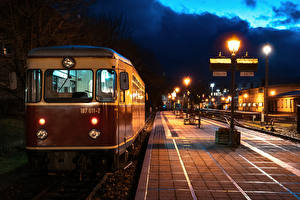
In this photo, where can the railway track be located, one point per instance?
(224, 117)
(68, 187)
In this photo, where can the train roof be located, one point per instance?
(76, 51)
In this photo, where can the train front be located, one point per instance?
(69, 102)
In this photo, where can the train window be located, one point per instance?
(105, 85)
(68, 85)
(33, 89)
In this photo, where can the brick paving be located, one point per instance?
(183, 162)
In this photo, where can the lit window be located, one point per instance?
(105, 86)
(68, 85)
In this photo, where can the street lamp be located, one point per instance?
(273, 92)
(186, 82)
(212, 85)
(267, 50)
(177, 89)
(233, 46)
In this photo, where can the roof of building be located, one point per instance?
(290, 93)
(76, 51)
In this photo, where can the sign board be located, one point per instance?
(219, 73)
(246, 73)
(247, 64)
(220, 64)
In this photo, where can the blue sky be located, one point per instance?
(259, 13)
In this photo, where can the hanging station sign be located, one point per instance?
(219, 73)
(220, 64)
(246, 74)
(247, 64)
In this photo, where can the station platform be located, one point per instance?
(183, 162)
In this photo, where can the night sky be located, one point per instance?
(184, 34)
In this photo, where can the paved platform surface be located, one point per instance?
(183, 162)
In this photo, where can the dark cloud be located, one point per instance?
(184, 42)
(250, 3)
(289, 11)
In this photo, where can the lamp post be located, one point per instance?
(233, 46)
(267, 50)
(173, 94)
(176, 90)
(186, 82)
(212, 85)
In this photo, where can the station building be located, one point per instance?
(282, 98)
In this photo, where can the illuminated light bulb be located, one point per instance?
(94, 121)
(42, 121)
(267, 49)
(233, 45)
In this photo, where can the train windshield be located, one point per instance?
(68, 85)
(105, 85)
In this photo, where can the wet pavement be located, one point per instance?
(183, 162)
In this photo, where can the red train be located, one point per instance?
(85, 105)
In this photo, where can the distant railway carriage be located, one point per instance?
(83, 104)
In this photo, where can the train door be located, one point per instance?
(124, 86)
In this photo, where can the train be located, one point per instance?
(85, 107)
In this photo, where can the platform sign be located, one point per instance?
(219, 73)
(220, 64)
(247, 64)
(246, 73)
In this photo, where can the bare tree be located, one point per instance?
(26, 24)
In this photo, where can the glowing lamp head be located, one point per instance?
(246, 95)
(233, 46)
(173, 95)
(267, 49)
(187, 81)
(272, 93)
(177, 89)
(229, 98)
(42, 121)
(94, 121)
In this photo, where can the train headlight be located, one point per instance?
(68, 62)
(94, 134)
(42, 134)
